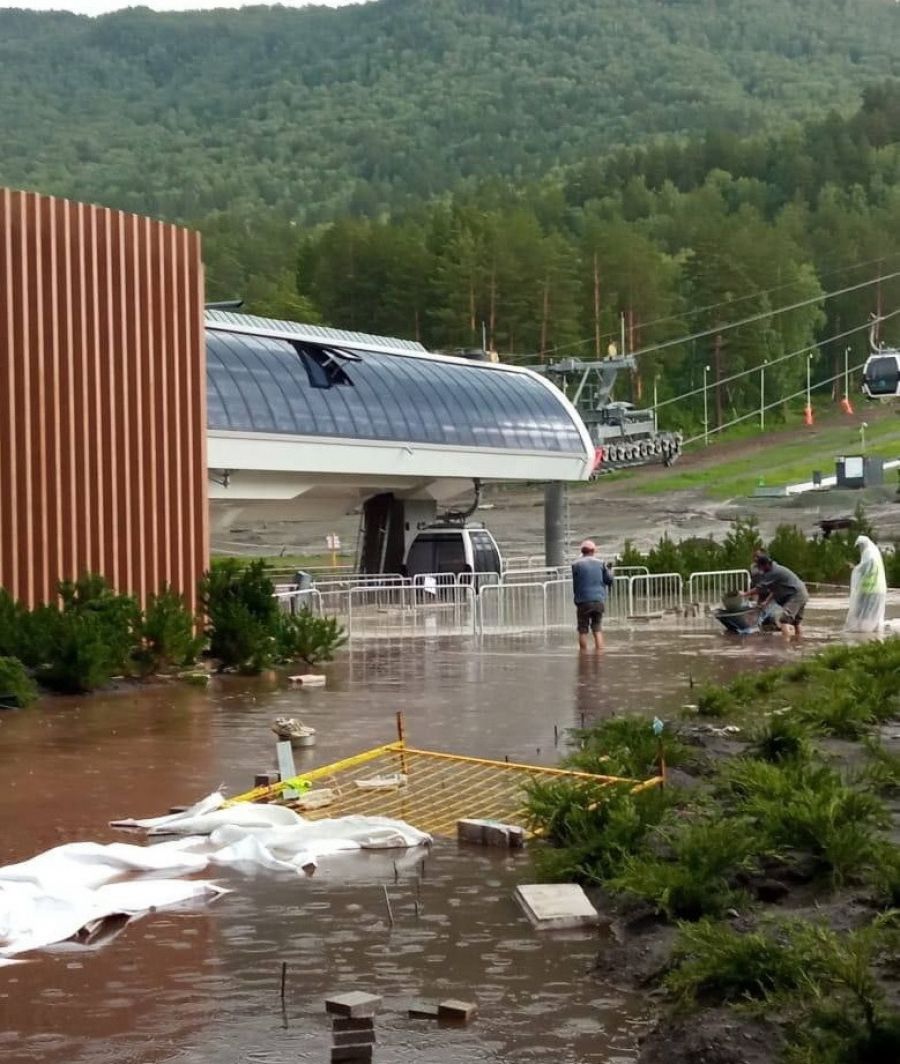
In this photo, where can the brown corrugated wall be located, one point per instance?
(102, 399)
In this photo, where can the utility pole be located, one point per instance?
(762, 396)
(717, 362)
(705, 408)
(596, 308)
(544, 315)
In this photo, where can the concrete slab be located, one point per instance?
(551, 906)
(354, 1003)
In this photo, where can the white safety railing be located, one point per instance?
(618, 598)
(631, 570)
(511, 608)
(536, 576)
(404, 610)
(709, 588)
(295, 601)
(656, 593)
(524, 562)
(447, 604)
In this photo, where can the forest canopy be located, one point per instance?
(314, 111)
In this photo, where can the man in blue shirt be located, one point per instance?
(590, 579)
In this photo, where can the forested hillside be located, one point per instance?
(679, 239)
(312, 111)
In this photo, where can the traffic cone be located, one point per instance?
(808, 416)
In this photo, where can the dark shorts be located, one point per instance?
(590, 616)
(792, 610)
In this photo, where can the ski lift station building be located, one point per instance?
(132, 419)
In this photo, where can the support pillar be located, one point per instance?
(555, 523)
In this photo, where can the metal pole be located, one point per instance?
(846, 374)
(554, 517)
(622, 319)
(705, 409)
(762, 396)
(808, 389)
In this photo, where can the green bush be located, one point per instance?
(713, 964)
(781, 738)
(716, 702)
(243, 621)
(82, 658)
(590, 829)
(696, 876)
(625, 746)
(881, 772)
(304, 637)
(166, 635)
(17, 689)
(806, 807)
(118, 616)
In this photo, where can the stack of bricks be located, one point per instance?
(353, 1026)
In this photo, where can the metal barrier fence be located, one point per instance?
(708, 588)
(656, 593)
(536, 576)
(443, 604)
(404, 610)
(295, 601)
(511, 608)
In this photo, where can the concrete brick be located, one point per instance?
(551, 906)
(266, 779)
(351, 1053)
(354, 1038)
(423, 1010)
(354, 1003)
(349, 1023)
(460, 1011)
(490, 833)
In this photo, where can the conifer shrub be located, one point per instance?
(166, 635)
(625, 746)
(782, 737)
(694, 872)
(304, 637)
(17, 689)
(590, 829)
(712, 964)
(82, 658)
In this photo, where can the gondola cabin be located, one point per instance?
(881, 375)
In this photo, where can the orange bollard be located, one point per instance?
(808, 416)
(846, 405)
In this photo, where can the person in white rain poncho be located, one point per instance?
(868, 590)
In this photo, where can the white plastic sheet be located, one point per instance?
(71, 888)
(868, 590)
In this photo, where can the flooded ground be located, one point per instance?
(203, 984)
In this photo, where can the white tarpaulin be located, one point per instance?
(68, 889)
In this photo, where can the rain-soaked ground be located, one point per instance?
(204, 984)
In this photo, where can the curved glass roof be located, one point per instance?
(276, 385)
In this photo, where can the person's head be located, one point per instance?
(588, 548)
(758, 552)
(763, 561)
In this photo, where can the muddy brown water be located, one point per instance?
(203, 983)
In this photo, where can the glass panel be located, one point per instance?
(450, 554)
(260, 384)
(421, 556)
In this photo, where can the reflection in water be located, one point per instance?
(203, 984)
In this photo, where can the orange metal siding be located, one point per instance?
(102, 399)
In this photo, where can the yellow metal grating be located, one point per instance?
(440, 788)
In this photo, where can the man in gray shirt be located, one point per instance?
(590, 579)
(778, 583)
